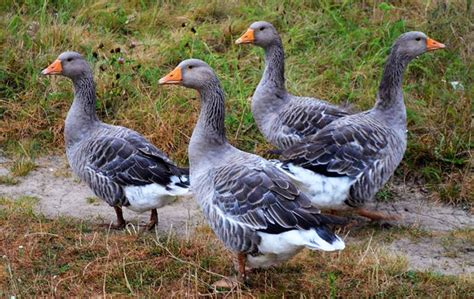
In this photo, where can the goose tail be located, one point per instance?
(179, 184)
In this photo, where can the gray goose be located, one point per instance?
(349, 160)
(252, 207)
(283, 119)
(118, 164)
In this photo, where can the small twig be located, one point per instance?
(240, 123)
(62, 280)
(90, 263)
(129, 287)
(93, 240)
(182, 133)
(108, 259)
(41, 234)
(366, 250)
(10, 273)
(187, 262)
(244, 131)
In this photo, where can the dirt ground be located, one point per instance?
(61, 194)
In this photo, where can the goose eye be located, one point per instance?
(190, 67)
(418, 39)
(69, 59)
(261, 28)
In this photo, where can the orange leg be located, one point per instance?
(375, 216)
(241, 259)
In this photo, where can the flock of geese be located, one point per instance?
(265, 211)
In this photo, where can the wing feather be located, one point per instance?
(262, 198)
(341, 149)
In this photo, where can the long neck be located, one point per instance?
(270, 95)
(390, 89)
(84, 97)
(274, 74)
(209, 133)
(82, 115)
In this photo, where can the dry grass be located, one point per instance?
(42, 257)
(335, 50)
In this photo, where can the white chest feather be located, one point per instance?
(324, 192)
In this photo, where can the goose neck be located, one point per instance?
(274, 74)
(210, 130)
(81, 117)
(84, 97)
(390, 88)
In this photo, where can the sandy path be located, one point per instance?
(61, 194)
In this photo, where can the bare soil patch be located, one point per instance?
(60, 193)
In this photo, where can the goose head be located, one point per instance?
(414, 43)
(69, 64)
(191, 73)
(260, 33)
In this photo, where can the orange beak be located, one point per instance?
(174, 77)
(246, 38)
(432, 45)
(54, 68)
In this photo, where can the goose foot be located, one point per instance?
(235, 260)
(118, 226)
(234, 281)
(376, 216)
(231, 282)
(121, 223)
(153, 220)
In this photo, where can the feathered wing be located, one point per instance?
(260, 198)
(357, 148)
(128, 161)
(147, 148)
(305, 117)
(104, 187)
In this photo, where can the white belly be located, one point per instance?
(274, 249)
(147, 197)
(324, 192)
(278, 248)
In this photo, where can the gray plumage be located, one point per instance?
(284, 119)
(110, 158)
(241, 194)
(366, 147)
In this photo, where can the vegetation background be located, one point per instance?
(335, 51)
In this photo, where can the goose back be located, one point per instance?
(113, 158)
(297, 119)
(361, 147)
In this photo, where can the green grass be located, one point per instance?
(64, 256)
(22, 167)
(335, 50)
(92, 200)
(8, 180)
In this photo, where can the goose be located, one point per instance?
(118, 164)
(344, 164)
(251, 206)
(282, 118)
